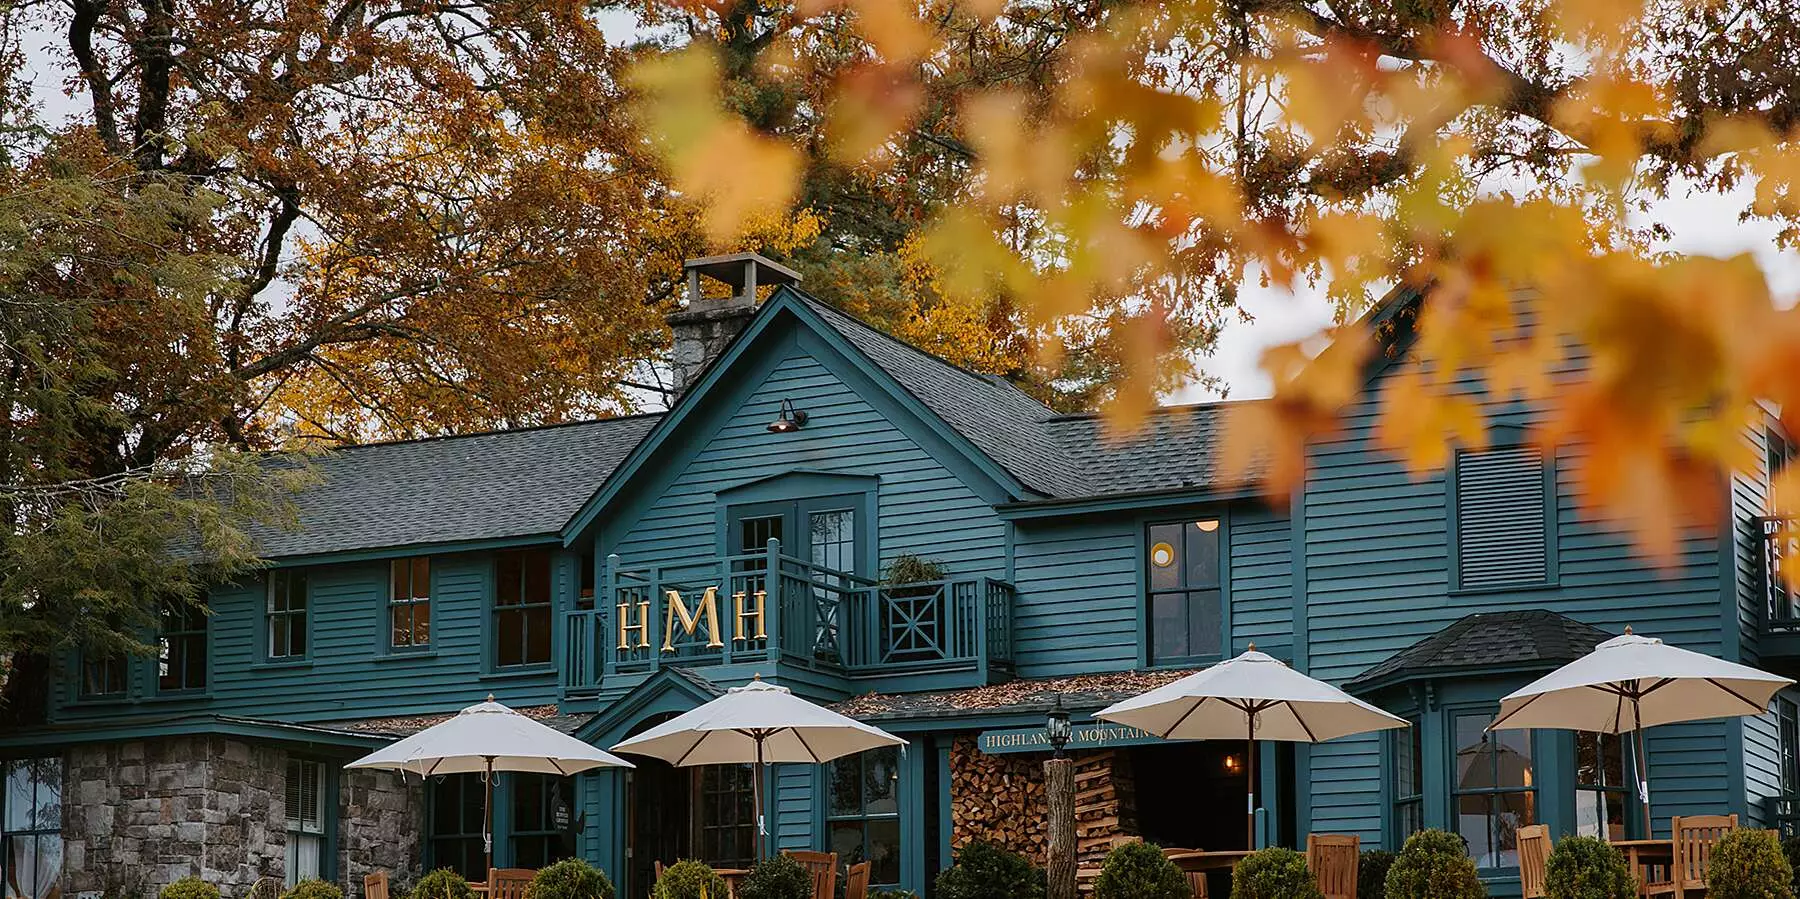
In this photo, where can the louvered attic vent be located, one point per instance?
(1502, 523)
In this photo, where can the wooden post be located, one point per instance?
(1059, 791)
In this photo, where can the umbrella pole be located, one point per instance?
(756, 793)
(1643, 765)
(1250, 783)
(487, 828)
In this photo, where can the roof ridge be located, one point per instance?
(492, 432)
(984, 377)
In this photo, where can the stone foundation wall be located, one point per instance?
(141, 814)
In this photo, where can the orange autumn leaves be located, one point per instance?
(1493, 152)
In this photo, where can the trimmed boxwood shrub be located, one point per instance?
(1749, 864)
(1434, 865)
(689, 879)
(775, 877)
(1273, 873)
(1588, 868)
(571, 878)
(444, 883)
(1138, 870)
(1790, 847)
(189, 887)
(986, 871)
(1371, 873)
(313, 888)
(893, 894)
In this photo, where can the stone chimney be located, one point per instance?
(708, 324)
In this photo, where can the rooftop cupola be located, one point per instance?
(713, 317)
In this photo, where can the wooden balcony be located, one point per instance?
(771, 607)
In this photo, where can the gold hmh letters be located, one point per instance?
(742, 610)
(709, 609)
(642, 627)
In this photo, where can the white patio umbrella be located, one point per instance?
(484, 738)
(1255, 696)
(1631, 682)
(757, 724)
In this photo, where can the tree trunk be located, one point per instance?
(1059, 791)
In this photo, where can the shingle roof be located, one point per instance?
(450, 489)
(1175, 449)
(1077, 692)
(548, 715)
(1487, 640)
(1002, 421)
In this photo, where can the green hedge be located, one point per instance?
(1749, 864)
(1434, 865)
(986, 871)
(571, 878)
(689, 879)
(1588, 868)
(444, 883)
(1138, 870)
(313, 888)
(775, 877)
(189, 887)
(1274, 873)
(1371, 873)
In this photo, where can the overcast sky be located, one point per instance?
(1700, 222)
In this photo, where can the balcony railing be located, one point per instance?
(768, 606)
(1780, 547)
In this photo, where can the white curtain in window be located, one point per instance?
(34, 867)
(303, 857)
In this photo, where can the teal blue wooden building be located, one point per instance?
(604, 576)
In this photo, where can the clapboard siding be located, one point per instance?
(923, 508)
(1078, 601)
(1262, 579)
(1378, 576)
(794, 815)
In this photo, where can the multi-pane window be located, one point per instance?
(286, 615)
(102, 674)
(456, 816)
(1788, 735)
(833, 538)
(409, 602)
(1494, 790)
(1601, 792)
(1502, 518)
(863, 812)
(31, 846)
(1409, 781)
(542, 822)
(306, 801)
(1183, 574)
(522, 608)
(725, 819)
(181, 649)
(1781, 453)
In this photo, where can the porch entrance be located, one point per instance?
(679, 813)
(1191, 795)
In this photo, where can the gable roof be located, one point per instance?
(1528, 638)
(478, 487)
(1005, 423)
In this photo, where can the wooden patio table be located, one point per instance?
(1643, 855)
(1209, 860)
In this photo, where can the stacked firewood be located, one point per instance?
(997, 798)
(1000, 799)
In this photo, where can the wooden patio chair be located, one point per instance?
(375, 886)
(1534, 855)
(1694, 837)
(1196, 883)
(856, 883)
(509, 883)
(1334, 859)
(823, 868)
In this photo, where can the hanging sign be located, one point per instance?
(1098, 735)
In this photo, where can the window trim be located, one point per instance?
(1503, 438)
(328, 814)
(1141, 564)
(6, 835)
(205, 633)
(516, 781)
(863, 817)
(265, 633)
(83, 658)
(1415, 729)
(1451, 793)
(491, 627)
(467, 783)
(386, 625)
(1627, 789)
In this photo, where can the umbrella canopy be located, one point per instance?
(1216, 704)
(1254, 696)
(758, 722)
(1632, 682)
(486, 737)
